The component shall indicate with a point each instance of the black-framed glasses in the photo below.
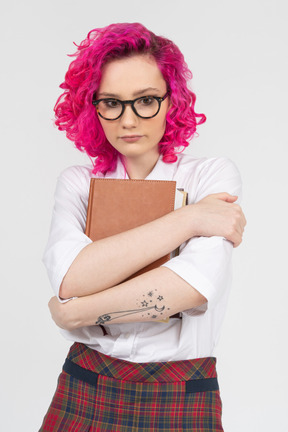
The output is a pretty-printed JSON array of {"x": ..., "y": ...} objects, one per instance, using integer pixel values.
[{"x": 145, "y": 106}]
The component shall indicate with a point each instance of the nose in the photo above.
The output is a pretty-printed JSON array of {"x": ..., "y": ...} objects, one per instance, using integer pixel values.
[{"x": 129, "y": 119}]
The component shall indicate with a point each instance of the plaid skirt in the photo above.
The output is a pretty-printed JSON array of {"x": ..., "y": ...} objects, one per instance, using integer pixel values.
[{"x": 96, "y": 392}]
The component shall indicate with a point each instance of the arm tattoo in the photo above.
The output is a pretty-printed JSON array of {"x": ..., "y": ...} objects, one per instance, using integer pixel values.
[{"x": 144, "y": 306}]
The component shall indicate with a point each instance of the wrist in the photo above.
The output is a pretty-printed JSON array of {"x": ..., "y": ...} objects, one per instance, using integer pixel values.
[
  {"x": 187, "y": 221},
  {"x": 71, "y": 315},
  {"x": 83, "y": 311}
]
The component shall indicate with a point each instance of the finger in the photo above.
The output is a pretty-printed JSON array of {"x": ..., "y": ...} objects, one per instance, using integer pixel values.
[
  {"x": 51, "y": 301},
  {"x": 241, "y": 230},
  {"x": 237, "y": 240},
  {"x": 225, "y": 196},
  {"x": 243, "y": 221}
]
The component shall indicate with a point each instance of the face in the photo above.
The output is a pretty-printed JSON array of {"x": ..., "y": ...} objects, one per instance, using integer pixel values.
[{"x": 128, "y": 79}]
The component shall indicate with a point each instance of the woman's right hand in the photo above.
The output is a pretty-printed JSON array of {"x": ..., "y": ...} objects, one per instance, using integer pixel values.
[{"x": 217, "y": 215}]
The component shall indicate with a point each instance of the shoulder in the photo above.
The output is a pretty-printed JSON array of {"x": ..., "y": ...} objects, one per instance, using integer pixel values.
[
  {"x": 76, "y": 173},
  {"x": 202, "y": 176},
  {"x": 74, "y": 182},
  {"x": 205, "y": 165},
  {"x": 76, "y": 177}
]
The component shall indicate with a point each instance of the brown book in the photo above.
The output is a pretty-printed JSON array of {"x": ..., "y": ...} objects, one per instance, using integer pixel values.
[{"x": 117, "y": 205}]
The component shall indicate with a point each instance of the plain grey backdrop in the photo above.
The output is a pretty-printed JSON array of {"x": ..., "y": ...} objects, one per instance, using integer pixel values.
[{"x": 237, "y": 52}]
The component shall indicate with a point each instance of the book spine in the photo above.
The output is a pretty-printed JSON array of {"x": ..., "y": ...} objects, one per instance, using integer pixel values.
[{"x": 89, "y": 208}]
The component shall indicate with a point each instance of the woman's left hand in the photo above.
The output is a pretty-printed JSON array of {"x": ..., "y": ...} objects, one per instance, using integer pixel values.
[{"x": 63, "y": 314}]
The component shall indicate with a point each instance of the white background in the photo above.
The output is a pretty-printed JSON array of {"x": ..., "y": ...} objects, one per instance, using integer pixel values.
[{"x": 238, "y": 54}]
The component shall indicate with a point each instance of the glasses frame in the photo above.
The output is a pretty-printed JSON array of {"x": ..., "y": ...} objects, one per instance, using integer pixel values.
[{"x": 129, "y": 102}]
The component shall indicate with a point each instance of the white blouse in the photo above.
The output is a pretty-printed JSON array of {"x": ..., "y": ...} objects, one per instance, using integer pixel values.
[{"x": 205, "y": 263}]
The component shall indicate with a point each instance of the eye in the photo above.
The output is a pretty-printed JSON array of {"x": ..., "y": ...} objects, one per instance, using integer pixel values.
[
  {"x": 147, "y": 100},
  {"x": 111, "y": 103}
]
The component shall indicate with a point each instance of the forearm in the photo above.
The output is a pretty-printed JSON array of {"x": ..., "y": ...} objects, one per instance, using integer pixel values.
[
  {"x": 108, "y": 262},
  {"x": 152, "y": 296}
]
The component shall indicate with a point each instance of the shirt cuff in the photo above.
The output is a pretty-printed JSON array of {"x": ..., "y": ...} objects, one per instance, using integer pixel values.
[
  {"x": 57, "y": 277},
  {"x": 195, "y": 278}
]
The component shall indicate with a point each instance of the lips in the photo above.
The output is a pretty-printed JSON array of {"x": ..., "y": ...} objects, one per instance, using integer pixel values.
[{"x": 131, "y": 138}]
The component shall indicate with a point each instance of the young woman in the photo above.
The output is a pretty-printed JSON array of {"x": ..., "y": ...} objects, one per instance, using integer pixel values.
[{"x": 126, "y": 103}]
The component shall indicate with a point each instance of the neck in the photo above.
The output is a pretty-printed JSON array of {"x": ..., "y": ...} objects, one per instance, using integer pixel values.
[{"x": 139, "y": 168}]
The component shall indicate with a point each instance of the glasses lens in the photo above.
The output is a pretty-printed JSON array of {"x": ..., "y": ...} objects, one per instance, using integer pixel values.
[
  {"x": 109, "y": 108},
  {"x": 146, "y": 106}
]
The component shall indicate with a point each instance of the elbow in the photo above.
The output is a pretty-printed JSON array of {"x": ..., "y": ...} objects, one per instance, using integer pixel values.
[
  {"x": 197, "y": 300},
  {"x": 65, "y": 290}
]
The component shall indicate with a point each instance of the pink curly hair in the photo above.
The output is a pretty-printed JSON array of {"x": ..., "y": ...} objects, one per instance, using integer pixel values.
[{"x": 75, "y": 113}]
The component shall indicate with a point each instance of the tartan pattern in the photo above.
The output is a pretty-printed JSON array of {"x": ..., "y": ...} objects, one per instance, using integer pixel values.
[
  {"x": 183, "y": 370},
  {"x": 131, "y": 397}
]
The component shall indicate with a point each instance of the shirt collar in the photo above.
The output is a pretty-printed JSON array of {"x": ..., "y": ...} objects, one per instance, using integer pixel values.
[
  {"x": 161, "y": 171},
  {"x": 118, "y": 173}
]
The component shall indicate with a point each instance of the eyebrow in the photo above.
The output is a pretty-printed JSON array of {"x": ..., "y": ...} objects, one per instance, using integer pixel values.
[{"x": 137, "y": 93}]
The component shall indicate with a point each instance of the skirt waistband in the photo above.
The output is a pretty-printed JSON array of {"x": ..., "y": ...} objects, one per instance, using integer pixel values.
[
  {"x": 91, "y": 378},
  {"x": 166, "y": 372}
]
